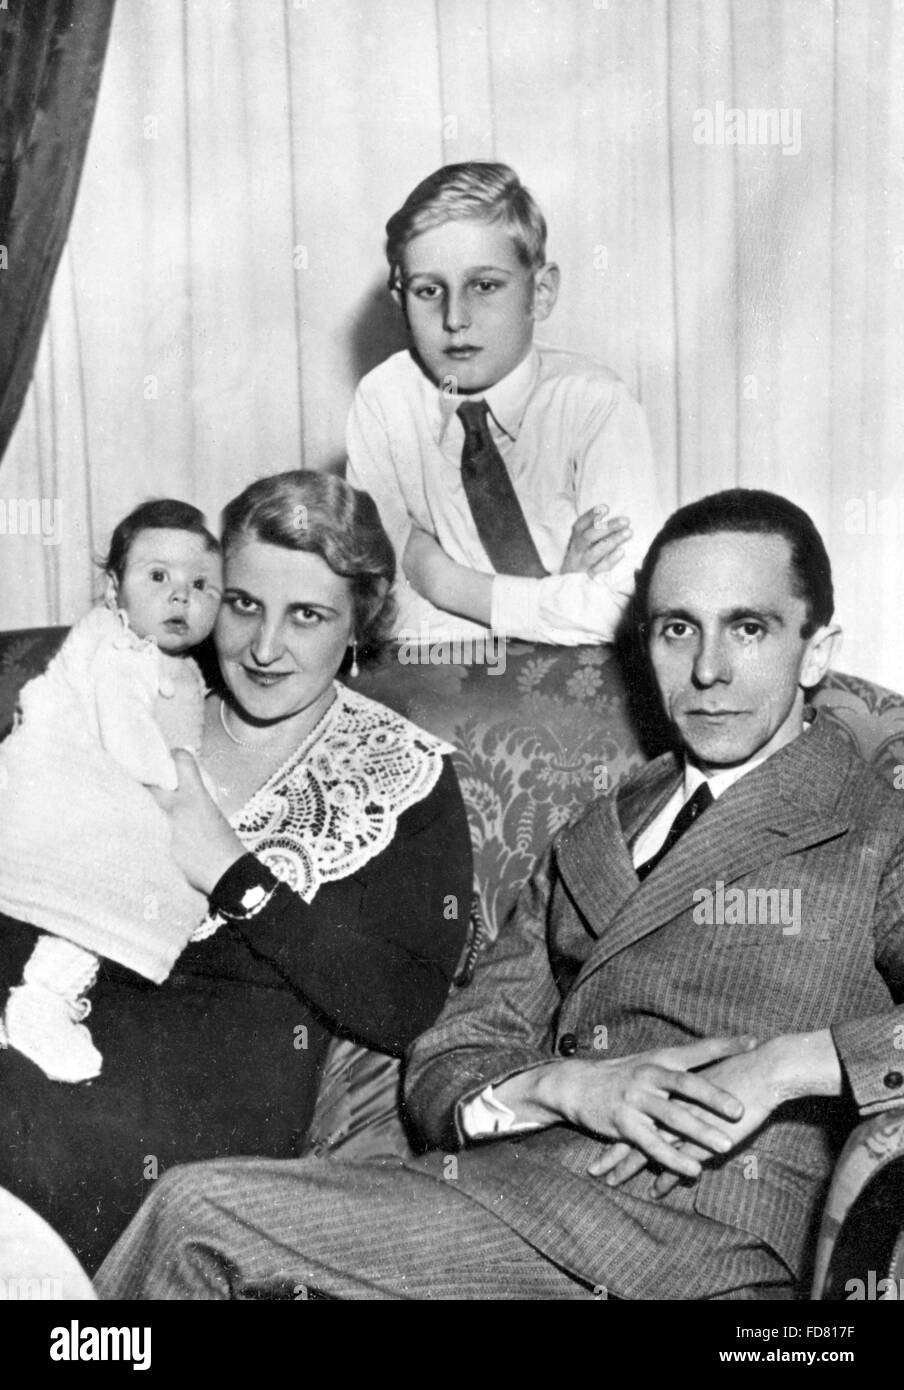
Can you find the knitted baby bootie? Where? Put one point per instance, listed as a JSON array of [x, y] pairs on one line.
[[44, 1014]]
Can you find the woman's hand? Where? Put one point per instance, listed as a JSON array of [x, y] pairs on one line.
[[596, 545], [204, 844]]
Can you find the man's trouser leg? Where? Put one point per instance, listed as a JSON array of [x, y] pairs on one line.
[[268, 1228]]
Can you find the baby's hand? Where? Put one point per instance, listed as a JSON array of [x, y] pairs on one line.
[[596, 545]]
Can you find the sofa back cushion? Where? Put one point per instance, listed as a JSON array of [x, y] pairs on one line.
[[538, 735]]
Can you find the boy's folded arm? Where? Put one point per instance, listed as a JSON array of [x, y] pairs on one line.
[[444, 582], [562, 609], [613, 467]]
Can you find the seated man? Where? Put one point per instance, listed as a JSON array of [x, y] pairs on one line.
[[642, 1091]]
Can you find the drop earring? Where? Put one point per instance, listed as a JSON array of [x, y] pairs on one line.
[[353, 669]]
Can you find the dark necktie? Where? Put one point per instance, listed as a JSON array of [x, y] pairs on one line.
[[493, 501], [690, 811]]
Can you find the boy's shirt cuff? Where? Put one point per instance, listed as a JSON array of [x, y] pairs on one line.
[[562, 609], [513, 606]]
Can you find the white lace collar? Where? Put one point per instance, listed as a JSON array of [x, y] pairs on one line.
[[336, 802]]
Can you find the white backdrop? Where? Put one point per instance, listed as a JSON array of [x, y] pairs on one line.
[[222, 288]]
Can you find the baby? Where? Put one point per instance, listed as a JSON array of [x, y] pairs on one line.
[[84, 848]]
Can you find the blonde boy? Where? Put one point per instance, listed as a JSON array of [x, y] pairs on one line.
[[545, 549]]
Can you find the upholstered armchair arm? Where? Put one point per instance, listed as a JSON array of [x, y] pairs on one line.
[[358, 1112], [861, 1238]]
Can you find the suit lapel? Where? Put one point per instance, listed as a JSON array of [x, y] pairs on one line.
[[785, 805], [593, 853], [641, 799]]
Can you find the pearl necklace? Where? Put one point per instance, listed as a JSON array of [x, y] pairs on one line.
[[253, 745], [246, 742]]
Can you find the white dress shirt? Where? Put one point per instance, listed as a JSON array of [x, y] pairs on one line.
[[571, 437], [484, 1115]]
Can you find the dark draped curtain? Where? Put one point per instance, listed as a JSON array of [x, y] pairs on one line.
[[51, 57]]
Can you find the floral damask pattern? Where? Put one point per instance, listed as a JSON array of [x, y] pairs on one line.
[[525, 774], [875, 1144], [873, 719], [886, 1138], [537, 743]]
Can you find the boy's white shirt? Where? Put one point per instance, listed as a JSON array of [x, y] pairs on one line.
[[404, 445]]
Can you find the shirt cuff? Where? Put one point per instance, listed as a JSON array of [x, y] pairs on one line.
[[513, 606], [563, 609], [484, 1116]]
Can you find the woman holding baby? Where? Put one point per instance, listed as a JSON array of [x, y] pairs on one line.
[[326, 837]]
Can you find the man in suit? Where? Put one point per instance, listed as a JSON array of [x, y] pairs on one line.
[[641, 1093]]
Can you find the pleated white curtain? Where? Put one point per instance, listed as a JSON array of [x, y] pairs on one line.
[[222, 290]]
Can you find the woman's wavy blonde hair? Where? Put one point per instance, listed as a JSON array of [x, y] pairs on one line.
[[323, 515]]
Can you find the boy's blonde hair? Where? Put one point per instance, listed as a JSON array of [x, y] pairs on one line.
[[477, 191]]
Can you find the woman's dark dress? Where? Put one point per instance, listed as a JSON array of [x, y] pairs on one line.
[[224, 1057]]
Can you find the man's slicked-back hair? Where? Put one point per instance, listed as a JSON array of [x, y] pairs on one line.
[[326, 516], [751, 511], [478, 191]]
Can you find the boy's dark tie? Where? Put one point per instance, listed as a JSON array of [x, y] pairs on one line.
[[692, 808], [494, 504]]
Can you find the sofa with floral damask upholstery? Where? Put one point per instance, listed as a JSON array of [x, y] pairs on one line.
[[538, 733]]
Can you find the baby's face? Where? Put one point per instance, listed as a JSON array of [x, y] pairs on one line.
[[171, 588]]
